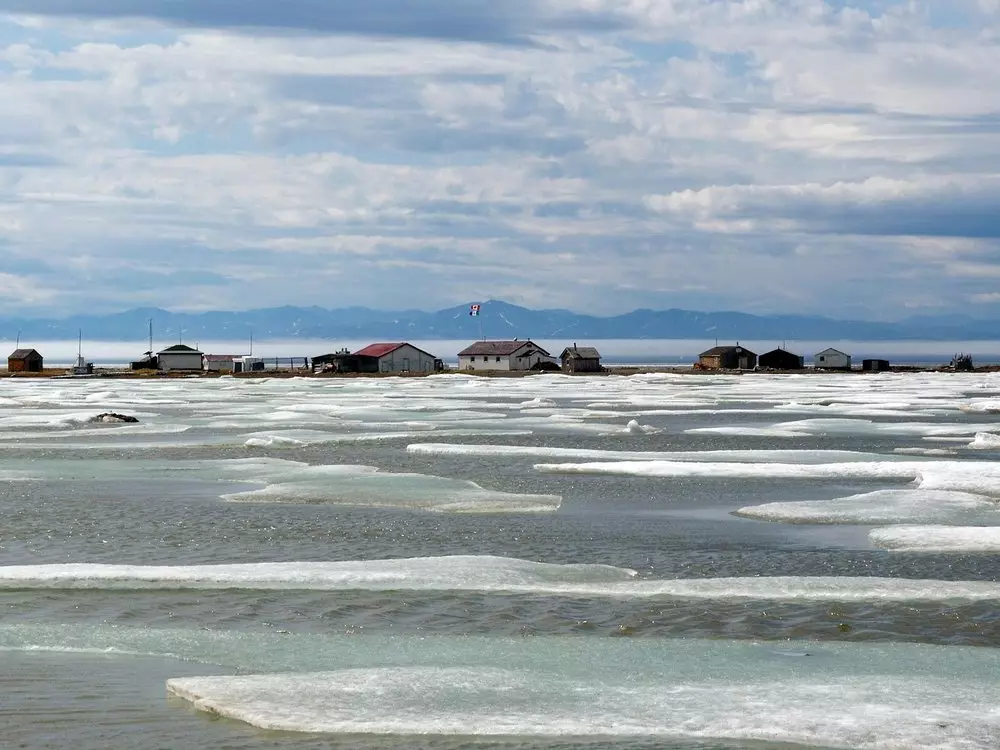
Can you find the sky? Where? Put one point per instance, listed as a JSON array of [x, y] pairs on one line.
[[837, 157]]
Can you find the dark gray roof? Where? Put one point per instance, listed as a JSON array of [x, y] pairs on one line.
[[716, 350], [498, 348], [580, 352], [23, 353], [779, 350], [179, 349]]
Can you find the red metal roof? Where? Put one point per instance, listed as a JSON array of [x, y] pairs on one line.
[[379, 350]]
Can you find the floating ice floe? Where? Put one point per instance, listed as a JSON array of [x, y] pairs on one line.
[[985, 441], [634, 428], [812, 700], [487, 574], [394, 490], [813, 427], [867, 696], [881, 506], [960, 539], [978, 477], [727, 456]]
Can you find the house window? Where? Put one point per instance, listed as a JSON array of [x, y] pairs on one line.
[[822, 359], [498, 359], [472, 359]]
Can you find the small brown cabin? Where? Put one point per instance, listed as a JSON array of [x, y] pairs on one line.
[[581, 359], [727, 358], [24, 360]]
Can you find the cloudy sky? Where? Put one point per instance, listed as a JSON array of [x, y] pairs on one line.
[[837, 157]]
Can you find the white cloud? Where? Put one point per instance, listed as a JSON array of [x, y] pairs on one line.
[[756, 154]]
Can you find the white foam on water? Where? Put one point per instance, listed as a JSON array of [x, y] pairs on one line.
[[938, 538], [985, 441], [487, 574], [881, 506], [871, 712], [978, 477], [736, 456]]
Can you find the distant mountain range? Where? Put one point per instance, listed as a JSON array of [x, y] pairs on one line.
[[498, 320]]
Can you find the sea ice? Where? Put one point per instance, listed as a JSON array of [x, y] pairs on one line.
[[486, 574], [881, 506], [961, 539]]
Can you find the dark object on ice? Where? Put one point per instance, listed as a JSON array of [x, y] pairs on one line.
[[110, 417], [962, 363]]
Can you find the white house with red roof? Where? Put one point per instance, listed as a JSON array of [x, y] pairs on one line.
[[503, 355], [399, 357]]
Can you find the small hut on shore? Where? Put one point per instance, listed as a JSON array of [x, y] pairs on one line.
[[727, 358], [581, 359], [779, 359], [25, 360]]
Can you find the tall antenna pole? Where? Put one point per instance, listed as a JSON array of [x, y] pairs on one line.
[[79, 345], [18, 344], [251, 343], [150, 335]]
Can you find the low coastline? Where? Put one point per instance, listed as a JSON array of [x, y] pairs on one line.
[[618, 370]]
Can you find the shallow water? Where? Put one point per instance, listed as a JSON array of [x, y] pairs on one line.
[[163, 495]]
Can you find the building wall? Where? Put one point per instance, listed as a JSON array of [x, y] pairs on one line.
[[406, 359], [572, 364], [219, 365], [179, 361], [485, 364], [832, 361], [526, 363], [32, 364], [710, 362]]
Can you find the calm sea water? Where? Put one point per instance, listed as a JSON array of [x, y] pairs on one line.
[[801, 620]]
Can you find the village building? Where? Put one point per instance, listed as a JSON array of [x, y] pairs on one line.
[[875, 365], [179, 358], [221, 362], [779, 359], [399, 357], [581, 359], [832, 359], [727, 358], [25, 360], [504, 356], [344, 362]]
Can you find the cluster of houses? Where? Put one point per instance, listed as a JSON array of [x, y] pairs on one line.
[[482, 356], [390, 358], [740, 358]]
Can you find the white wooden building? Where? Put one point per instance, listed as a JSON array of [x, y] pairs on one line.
[[220, 362], [399, 357], [504, 356], [179, 357], [832, 359]]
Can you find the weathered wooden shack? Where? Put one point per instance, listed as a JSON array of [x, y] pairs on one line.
[[581, 359], [727, 358], [25, 360]]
